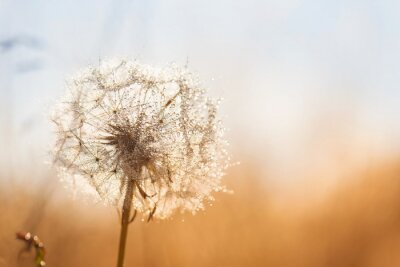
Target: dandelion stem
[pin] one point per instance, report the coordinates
(125, 220)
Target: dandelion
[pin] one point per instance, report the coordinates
(147, 140)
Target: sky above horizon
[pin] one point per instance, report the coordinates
(299, 78)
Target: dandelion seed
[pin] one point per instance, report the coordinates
(143, 138)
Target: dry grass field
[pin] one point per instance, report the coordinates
(356, 224)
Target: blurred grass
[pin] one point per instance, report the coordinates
(356, 224)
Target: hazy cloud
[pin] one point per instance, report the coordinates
(27, 41)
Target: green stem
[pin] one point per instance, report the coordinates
(126, 211)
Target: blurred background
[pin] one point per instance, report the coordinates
(311, 102)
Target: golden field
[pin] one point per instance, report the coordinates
(356, 224)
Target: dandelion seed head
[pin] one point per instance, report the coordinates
(123, 120)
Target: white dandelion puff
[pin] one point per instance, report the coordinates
(143, 138)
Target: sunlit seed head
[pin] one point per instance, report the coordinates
(123, 120)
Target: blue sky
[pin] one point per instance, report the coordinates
(293, 73)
